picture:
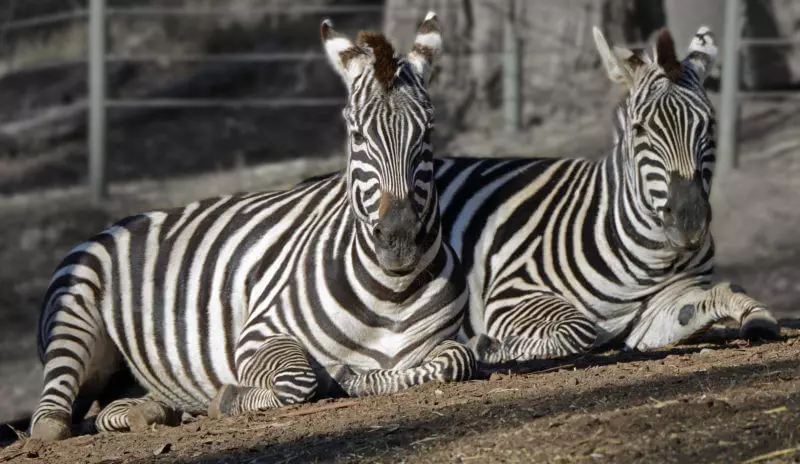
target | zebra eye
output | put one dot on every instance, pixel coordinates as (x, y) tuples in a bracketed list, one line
[(639, 130), (358, 138)]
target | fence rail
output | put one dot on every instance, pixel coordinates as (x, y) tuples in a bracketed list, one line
[(149, 12), (217, 58), (45, 20), (99, 13), (195, 103), (219, 12)]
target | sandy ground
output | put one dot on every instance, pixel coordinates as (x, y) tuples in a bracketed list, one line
[(713, 402), (678, 405)]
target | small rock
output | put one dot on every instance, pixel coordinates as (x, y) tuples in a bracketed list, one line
[(192, 427), (706, 351), (497, 376), (162, 449), (438, 392), (32, 447), (82, 440)]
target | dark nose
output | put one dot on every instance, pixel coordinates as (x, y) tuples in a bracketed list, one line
[(687, 209), (398, 226)]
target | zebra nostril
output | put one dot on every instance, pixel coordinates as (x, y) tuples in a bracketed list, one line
[(377, 233), (667, 210)]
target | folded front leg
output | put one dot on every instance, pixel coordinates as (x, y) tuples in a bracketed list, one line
[(683, 310), (277, 374), (448, 362), (532, 325), (135, 414)]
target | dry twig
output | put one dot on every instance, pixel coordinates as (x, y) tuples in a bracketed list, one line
[(307, 411), (773, 454)]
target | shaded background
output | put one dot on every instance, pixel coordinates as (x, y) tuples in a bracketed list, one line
[(204, 143)]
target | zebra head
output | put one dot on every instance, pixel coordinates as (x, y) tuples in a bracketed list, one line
[(666, 132), (389, 121)]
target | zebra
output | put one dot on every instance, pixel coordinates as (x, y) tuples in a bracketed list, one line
[(565, 255), (258, 300)]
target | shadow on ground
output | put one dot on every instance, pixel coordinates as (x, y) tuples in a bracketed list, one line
[(368, 443)]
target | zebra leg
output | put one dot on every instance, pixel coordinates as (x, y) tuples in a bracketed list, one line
[(135, 414), (277, 374), (77, 356), (537, 326), (450, 361), (678, 312)]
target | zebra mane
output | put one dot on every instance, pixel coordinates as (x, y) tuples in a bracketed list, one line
[(386, 60)]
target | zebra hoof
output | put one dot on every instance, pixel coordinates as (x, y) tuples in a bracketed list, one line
[(223, 403), (142, 416), (760, 325), (51, 428), (486, 349)]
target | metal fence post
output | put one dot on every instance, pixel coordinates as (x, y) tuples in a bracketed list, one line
[(97, 100), (727, 156), (512, 71)]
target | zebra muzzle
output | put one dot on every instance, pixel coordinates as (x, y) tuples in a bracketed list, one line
[(396, 237), (687, 214)]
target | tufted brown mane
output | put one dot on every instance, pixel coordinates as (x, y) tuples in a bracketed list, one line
[(386, 62), (665, 51)]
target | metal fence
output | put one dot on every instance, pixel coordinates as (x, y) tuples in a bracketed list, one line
[(98, 14)]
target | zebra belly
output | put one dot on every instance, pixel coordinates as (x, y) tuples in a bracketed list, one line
[(170, 365)]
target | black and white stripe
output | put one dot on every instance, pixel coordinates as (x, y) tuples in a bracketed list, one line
[(566, 254), (253, 301)]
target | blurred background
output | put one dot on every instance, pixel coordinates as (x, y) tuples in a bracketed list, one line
[(196, 98)]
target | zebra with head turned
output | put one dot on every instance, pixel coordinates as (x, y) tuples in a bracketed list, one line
[(566, 254), (260, 300)]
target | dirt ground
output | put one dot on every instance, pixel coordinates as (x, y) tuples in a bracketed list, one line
[(724, 401)]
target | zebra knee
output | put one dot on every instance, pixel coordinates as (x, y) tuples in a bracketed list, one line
[(231, 400), (288, 386), (575, 336), (550, 340), (453, 362), (294, 386), (114, 417)]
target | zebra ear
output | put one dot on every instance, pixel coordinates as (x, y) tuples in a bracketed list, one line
[(346, 57), (702, 53), (664, 52), (612, 62), (620, 63), (427, 46)]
